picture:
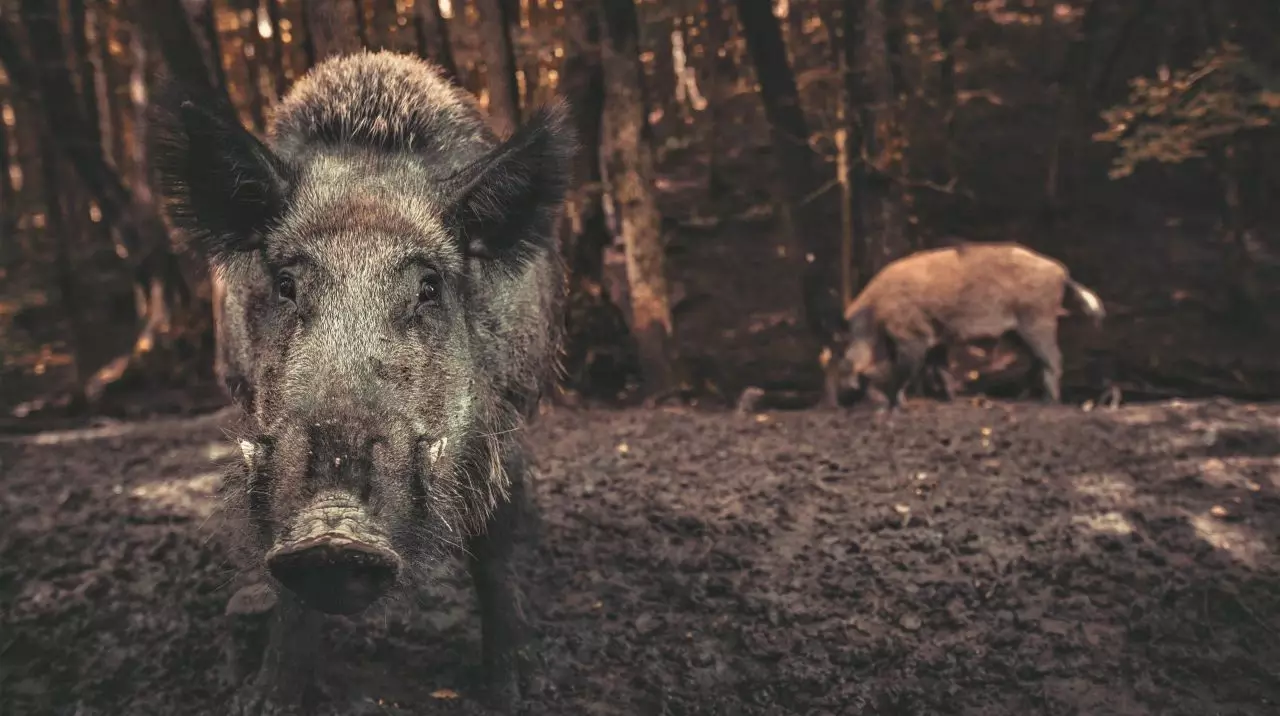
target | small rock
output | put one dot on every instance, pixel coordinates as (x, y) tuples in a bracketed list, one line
[(910, 622), (749, 399)]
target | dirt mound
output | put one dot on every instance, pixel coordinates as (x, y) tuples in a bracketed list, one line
[(1008, 559)]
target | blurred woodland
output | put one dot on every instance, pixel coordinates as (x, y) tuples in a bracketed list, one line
[(746, 166)]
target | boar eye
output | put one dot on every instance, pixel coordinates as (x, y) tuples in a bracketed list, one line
[(286, 287), (429, 289)]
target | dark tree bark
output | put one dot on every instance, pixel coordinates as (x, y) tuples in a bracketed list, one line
[(363, 32), (1070, 83), (190, 44), (597, 332), (157, 277), (58, 233), (8, 204), (331, 29), (278, 50), (797, 179), (1122, 42), (629, 175), (499, 63), (582, 84), (530, 58), (882, 143), (81, 22), (722, 72), (433, 36)]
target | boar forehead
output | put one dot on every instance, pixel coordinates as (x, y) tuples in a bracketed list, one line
[(354, 212)]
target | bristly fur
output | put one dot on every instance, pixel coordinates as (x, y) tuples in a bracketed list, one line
[(380, 100), (333, 141)]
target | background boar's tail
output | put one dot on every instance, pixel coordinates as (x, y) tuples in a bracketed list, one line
[(1088, 300)]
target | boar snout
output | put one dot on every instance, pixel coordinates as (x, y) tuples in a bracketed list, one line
[(335, 563)]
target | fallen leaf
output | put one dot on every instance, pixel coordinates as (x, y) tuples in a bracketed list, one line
[(1218, 511), (444, 694), (901, 509), (623, 448)]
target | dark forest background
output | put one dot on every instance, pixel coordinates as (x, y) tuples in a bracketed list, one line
[(747, 165)]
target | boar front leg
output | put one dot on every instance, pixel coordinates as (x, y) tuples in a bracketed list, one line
[(287, 673), (504, 628)]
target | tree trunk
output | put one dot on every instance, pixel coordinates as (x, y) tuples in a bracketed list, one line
[(143, 237), (187, 35), (597, 332), (433, 36), (362, 23), (944, 14), (8, 202), (629, 177), (279, 51), (797, 179), (331, 29), (1067, 89), (882, 142), (722, 72), (847, 140), (499, 64), (81, 28), (58, 233)]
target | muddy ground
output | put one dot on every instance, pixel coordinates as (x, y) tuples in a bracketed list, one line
[(1003, 558)]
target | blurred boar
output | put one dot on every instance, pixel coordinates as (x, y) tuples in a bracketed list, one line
[(393, 299), (932, 299)]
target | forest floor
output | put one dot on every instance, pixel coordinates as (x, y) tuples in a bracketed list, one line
[(972, 558)]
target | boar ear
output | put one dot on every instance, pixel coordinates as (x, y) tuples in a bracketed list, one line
[(505, 203), (222, 186)]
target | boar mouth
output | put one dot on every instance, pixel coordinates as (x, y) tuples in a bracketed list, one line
[(335, 572)]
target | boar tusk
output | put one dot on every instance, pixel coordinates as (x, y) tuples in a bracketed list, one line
[(248, 450), (437, 449)]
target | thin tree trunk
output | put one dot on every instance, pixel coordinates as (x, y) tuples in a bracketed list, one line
[(279, 52), (844, 154), (882, 141), (499, 63), (82, 28), (331, 28), (944, 14), (433, 36), (181, 29), (629, 175), (722, 73), (797, 179), (1066, 90), (359, 13), (58, 233), (1121, 43), (8, 202), (582, 83), (596, 327)]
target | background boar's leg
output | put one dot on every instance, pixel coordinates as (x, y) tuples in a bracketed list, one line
[(910, 360), (503, 626), (1042, 338), (288, 664)]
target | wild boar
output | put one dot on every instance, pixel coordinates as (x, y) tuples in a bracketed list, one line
[(393, 306), (941, 297)]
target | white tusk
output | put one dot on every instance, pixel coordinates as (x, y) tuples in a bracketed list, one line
[(437, 449), (248, 450)]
